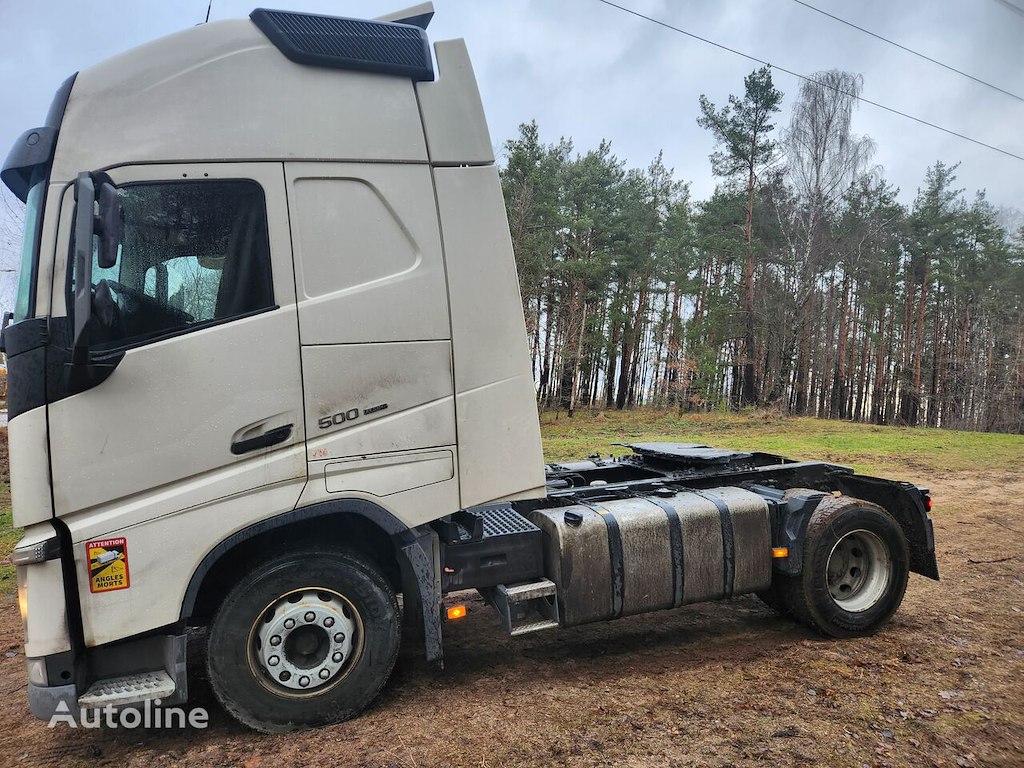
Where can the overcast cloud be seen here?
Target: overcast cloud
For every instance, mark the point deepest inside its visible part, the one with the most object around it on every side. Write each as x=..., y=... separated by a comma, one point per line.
x=585, y=70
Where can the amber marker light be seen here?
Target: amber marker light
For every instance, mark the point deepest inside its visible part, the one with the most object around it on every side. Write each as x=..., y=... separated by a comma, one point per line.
x=456, y=612
x=778, y=552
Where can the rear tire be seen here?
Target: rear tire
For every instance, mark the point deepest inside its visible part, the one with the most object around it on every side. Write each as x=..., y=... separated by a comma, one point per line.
x=855, y=570
x=306, y=639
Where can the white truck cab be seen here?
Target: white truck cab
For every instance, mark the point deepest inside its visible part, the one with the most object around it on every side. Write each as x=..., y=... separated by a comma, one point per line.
x=268, y=368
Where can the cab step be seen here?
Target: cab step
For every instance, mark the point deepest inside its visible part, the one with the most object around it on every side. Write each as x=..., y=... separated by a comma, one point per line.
x=129, y=689
x=533, y=626
x=526, y=607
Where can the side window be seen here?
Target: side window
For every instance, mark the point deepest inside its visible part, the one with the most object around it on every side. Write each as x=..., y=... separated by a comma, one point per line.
x=192, y=253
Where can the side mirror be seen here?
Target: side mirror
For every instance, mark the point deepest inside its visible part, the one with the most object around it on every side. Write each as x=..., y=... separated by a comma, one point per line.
x=85, y=200
x=109, y=225
x=81, y=373
x=8, y=316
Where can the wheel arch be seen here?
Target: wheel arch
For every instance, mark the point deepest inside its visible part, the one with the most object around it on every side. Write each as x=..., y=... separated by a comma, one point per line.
x=404, y=555
x=816, y=596
x=904, y=503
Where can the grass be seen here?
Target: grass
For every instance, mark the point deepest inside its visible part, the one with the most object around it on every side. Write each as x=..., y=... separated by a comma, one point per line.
x=9, y=536
x=868, y=449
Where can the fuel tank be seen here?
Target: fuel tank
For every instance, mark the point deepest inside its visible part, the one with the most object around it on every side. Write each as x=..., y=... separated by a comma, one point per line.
x=633, y=555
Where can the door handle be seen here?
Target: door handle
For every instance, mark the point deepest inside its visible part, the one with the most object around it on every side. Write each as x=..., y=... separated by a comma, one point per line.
x=267, y=439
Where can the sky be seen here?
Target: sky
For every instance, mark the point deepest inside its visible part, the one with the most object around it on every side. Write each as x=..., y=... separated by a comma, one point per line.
x=590, y=72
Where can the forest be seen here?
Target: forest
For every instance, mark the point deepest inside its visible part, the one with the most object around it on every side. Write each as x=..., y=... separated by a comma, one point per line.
x=802, y=285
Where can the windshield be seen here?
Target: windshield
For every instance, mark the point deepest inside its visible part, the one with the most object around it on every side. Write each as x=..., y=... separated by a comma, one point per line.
x=23, y=305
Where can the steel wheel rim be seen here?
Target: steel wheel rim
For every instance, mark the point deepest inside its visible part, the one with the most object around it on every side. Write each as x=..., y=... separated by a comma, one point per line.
x=859, y=571
x=305, y=642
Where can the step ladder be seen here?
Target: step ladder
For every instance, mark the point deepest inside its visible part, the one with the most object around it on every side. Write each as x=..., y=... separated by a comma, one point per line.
x=128, y=689
x=526, y=607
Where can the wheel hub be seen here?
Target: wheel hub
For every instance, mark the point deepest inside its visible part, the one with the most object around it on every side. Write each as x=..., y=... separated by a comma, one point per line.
x=859, y=571
x=303, y=641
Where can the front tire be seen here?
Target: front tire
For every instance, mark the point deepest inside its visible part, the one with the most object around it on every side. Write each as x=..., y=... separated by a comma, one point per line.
x=306, y=639
x=855, y=569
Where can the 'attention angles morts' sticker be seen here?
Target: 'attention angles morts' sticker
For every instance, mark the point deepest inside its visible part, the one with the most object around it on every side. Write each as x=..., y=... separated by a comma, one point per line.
x=108, y=564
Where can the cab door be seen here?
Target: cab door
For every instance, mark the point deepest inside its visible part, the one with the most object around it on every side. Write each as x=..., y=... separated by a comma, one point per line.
x=198, y=318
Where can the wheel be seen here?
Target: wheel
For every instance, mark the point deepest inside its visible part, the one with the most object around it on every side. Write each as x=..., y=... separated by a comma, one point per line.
x=306, y=639
x=855, y=569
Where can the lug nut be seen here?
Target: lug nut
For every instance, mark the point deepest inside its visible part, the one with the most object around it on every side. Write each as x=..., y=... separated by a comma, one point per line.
x=325, y=673
x=289, y=623
x=336, y=658
x=303, y=681
x=275, y=640
x=273, y=661
x=284, y=676
x=339, y=637
x=329, y=622
x=310, y=616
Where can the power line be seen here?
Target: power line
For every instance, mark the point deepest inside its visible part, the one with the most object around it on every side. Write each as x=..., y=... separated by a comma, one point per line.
x=1011, y=7
x=893, y=110
x=910, y=50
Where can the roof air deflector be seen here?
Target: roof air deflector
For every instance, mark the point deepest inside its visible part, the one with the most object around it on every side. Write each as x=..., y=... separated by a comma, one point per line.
x=384, y=47
x=418, y=15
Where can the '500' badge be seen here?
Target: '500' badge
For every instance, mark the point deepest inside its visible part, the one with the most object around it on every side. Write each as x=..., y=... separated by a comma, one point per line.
x=341, y=417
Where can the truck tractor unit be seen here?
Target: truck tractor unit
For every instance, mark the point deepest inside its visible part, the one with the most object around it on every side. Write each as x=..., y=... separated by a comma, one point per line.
x=269, y=370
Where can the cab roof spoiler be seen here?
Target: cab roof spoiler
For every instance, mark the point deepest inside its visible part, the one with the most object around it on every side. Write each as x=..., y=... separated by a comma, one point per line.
x=417, y=15
x=383, y=46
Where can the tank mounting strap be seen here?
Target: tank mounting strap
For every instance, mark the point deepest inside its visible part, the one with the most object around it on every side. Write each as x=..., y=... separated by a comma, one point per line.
x=728, y=544
x=615, y=553
x=675, y=530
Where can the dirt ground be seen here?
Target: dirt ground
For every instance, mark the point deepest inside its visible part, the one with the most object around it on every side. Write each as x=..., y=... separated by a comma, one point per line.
x=711, y=685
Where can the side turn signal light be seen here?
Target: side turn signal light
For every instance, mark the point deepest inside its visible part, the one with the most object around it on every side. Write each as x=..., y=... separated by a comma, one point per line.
x=778, y=552
x=456, y=612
